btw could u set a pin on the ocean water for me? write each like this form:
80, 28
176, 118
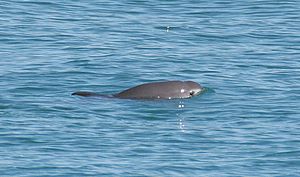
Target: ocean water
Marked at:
246, 53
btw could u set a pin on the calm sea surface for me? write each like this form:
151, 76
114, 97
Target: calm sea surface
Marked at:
247, 55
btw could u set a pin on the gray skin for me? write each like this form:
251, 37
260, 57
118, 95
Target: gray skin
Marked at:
155, 90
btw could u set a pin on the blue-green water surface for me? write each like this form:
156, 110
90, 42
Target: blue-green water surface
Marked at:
246, 53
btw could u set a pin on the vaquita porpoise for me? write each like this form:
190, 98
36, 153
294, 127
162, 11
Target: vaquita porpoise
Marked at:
155, 90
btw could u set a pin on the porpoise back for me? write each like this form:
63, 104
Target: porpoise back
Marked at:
155, 90
162, 90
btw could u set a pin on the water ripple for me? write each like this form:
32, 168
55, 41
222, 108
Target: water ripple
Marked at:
246, 55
